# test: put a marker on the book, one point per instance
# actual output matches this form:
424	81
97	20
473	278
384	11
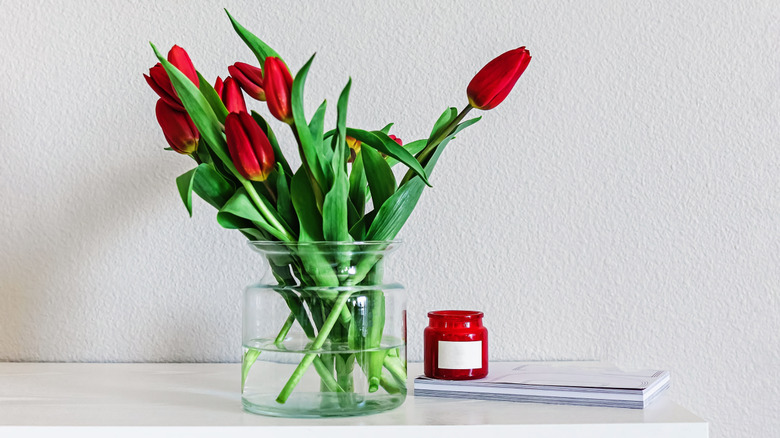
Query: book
555	383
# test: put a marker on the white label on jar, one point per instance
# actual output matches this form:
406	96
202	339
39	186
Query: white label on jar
460	355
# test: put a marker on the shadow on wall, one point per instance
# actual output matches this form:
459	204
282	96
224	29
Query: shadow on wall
56	247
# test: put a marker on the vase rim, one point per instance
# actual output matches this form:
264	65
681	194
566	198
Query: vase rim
364	246
278	243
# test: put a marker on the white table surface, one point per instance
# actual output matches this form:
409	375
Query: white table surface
200	400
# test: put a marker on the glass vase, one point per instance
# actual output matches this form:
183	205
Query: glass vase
324	332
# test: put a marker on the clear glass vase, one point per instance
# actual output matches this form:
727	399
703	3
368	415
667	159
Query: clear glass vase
324	332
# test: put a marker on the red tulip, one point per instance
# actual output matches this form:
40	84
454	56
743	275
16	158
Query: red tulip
396	139
160	82
278	89
218	86
494	82
232	97
250	78
249	148
177	126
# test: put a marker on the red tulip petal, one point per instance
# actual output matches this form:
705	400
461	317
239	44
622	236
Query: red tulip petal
232	96
278	85
161	84
181	60
261	146
251	84
495	80
509	85
218	86
178	128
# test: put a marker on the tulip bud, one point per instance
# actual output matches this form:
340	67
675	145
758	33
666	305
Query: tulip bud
218	85
250	150
178	128
160	82
250	78
396	139
354	147
232	97
494	82
278	89
181	60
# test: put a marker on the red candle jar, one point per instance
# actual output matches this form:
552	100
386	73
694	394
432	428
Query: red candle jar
456	345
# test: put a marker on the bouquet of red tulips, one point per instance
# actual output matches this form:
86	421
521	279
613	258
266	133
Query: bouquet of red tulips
345	190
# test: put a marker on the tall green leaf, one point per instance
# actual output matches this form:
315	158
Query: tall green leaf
278	155
381	142
256	45
323	150
380	177
310	221
309	216
334	211
310	157
341	151
284	200
213	99
358	185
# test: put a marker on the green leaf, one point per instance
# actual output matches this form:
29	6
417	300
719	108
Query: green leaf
414	148
323	150
211	186
358	185
213	99
352	214
302	128
334	211
314	261
464	125
380	177
359	231
258	47
341	151
394	213
239	207
184	183
386	129
284	201
443	121
278	155
305	205
253	233
387	146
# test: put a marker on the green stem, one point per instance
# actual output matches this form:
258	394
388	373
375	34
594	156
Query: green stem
423	156
325	376
396	368
282	233
251	354
285	329
389	384
319	341
270	189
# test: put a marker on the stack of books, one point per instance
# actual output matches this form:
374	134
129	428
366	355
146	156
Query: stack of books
556	383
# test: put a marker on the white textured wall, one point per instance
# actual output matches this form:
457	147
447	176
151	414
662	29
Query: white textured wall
622	204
